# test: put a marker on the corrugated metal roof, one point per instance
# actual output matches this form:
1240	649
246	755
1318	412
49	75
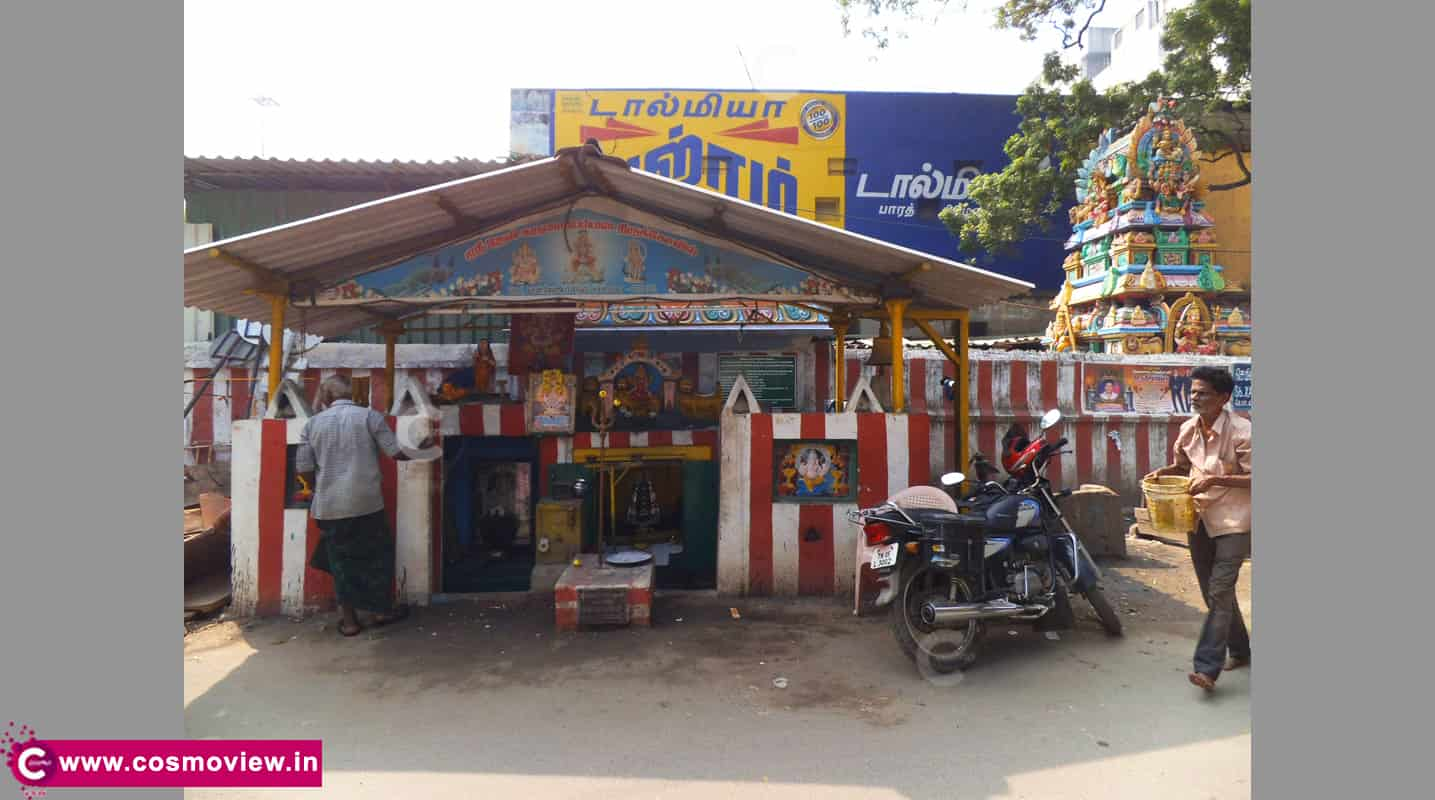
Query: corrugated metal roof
207	173
331	248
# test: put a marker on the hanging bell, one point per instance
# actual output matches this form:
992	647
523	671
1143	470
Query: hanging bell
881	352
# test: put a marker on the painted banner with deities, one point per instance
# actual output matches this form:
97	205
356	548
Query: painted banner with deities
770	148
583	254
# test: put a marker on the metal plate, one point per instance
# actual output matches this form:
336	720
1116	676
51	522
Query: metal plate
884	557
628	558
603	606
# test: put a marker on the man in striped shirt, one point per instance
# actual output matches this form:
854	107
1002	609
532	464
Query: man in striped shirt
340	447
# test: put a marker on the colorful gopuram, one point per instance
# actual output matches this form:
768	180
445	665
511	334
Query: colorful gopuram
1141	271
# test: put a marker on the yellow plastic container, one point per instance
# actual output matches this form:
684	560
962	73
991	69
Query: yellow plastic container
1168	498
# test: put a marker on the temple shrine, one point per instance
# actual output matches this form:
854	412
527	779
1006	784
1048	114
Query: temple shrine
1141	271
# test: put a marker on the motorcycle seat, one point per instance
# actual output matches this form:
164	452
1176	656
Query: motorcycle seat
935	516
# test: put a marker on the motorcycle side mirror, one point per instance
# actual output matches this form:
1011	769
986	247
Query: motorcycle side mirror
953	478
1050	418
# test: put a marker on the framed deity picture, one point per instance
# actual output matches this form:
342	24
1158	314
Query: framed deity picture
814	471
552	400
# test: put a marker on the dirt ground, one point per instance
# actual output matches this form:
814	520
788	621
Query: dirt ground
485	696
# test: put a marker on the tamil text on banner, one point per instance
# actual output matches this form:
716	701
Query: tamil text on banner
768	148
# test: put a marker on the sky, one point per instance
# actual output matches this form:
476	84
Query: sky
430	79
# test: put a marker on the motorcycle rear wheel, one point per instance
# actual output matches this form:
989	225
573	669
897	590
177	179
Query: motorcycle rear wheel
929	647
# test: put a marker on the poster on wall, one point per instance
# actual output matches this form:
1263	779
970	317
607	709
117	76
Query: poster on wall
1157	390
552	401
1160	390
1241	397
1106	389
814	471
540	342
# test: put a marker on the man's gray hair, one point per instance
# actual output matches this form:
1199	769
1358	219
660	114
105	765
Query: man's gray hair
336	387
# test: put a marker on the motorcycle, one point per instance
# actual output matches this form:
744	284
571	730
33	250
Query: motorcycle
1005	551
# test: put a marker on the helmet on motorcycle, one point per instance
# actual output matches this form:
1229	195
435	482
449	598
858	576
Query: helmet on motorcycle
1020	455
1013	443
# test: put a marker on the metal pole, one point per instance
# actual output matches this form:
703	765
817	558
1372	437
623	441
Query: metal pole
963	385
277	304
895	309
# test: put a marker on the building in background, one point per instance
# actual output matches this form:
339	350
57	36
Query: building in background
1130	50
228	197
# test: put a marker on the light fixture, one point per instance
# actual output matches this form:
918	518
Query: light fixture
949	386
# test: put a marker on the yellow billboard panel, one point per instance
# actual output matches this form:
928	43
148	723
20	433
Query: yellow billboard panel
783	150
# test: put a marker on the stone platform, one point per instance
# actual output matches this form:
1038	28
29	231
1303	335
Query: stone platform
594	595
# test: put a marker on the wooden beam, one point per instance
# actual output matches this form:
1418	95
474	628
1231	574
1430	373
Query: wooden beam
458	217
270	281
933	315
697	452
941	343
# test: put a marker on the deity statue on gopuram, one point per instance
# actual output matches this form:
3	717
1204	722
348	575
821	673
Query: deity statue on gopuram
1141	269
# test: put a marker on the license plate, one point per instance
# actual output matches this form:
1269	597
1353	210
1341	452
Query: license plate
884	557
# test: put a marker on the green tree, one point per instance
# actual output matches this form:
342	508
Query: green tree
1207	68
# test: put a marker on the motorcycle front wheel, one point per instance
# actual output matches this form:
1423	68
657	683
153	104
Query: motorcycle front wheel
1110	622
943	650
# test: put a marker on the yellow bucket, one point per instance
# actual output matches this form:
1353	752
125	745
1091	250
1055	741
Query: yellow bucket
1168	498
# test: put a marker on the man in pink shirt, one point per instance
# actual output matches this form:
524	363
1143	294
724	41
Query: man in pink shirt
1214	450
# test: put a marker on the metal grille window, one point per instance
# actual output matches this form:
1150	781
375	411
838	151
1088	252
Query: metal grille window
829	210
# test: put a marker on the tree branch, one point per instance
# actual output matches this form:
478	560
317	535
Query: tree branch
1233	147
1066	41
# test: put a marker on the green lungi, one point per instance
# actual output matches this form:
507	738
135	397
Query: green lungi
359	553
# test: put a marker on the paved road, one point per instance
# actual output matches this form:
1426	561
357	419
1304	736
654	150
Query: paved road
471	700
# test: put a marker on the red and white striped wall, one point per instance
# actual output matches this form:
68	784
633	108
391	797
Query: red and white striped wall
270	545
1113	450
483	419
762	546
232	396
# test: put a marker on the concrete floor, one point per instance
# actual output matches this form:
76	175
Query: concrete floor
472	699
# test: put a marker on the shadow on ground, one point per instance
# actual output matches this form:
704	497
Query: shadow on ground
489	688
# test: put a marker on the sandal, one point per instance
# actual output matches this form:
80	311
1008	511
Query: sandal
1202	680
1236	663
398	614
354	631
